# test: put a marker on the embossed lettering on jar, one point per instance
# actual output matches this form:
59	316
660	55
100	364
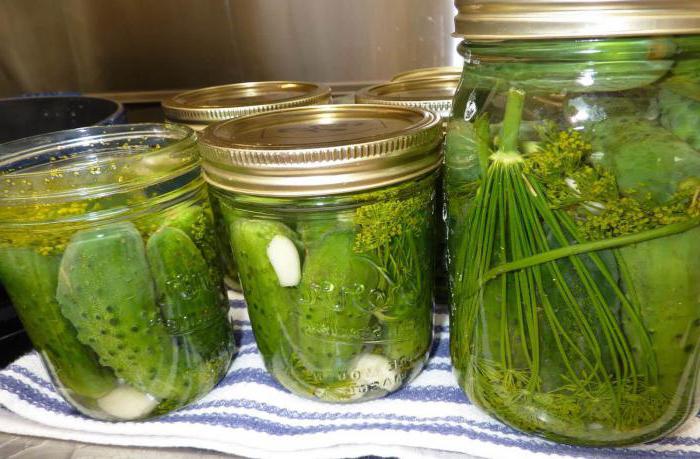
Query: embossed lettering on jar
331	219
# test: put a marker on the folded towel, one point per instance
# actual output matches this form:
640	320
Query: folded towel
249	414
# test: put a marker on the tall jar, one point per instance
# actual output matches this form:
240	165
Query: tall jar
108	252
330	211
431	93
201	107
573	185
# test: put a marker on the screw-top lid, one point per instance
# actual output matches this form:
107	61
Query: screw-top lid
533	19
321	150
428	72
217	103
430	93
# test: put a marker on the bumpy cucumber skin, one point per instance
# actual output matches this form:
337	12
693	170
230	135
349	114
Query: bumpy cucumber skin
269	304
105	290
31	279
663	278
334	311
646	158
197	222
681	115
189	302
659	275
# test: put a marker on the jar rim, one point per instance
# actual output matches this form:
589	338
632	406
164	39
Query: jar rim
432	93
321	149
87	162
217	103
538	19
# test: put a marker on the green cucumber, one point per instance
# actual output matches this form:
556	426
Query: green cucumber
648	161
269	304
105	290
30	280
680	114
662	275
196	221
190	303
563	77
567	50
334	311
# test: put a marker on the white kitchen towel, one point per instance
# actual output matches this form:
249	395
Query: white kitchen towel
249	414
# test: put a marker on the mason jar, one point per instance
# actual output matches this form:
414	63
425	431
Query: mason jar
201	107
108	252
573	185
330	211
432	93
29	116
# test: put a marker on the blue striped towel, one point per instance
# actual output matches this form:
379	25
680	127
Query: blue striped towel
249	414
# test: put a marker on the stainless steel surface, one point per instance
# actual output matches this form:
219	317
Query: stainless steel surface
138	45
520	19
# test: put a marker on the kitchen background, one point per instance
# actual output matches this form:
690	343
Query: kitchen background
140	51
152	45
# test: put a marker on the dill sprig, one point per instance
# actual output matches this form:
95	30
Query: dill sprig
533	300
389	217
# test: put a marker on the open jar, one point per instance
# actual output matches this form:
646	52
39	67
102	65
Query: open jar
201	107
573	185
108	252
330	211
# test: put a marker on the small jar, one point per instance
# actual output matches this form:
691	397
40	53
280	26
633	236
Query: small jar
432	93
573	197
201	107
330	211
108	252
29	116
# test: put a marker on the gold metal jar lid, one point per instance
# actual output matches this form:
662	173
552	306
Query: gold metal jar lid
218	103
321	150
428	72
535	19
430	93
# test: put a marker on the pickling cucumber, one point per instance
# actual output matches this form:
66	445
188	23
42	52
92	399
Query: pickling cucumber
196	221
189	303
269	303
334	312
662	276
105	290
30	280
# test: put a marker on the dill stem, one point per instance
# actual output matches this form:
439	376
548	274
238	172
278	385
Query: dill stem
483	133
510	130
594	246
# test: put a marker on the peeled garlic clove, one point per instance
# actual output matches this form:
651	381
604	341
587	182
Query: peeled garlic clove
373	369
126	403
284	258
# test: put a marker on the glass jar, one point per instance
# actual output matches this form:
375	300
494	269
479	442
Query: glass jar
29	116
330	211
108	252
573	184
431	93
201	107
